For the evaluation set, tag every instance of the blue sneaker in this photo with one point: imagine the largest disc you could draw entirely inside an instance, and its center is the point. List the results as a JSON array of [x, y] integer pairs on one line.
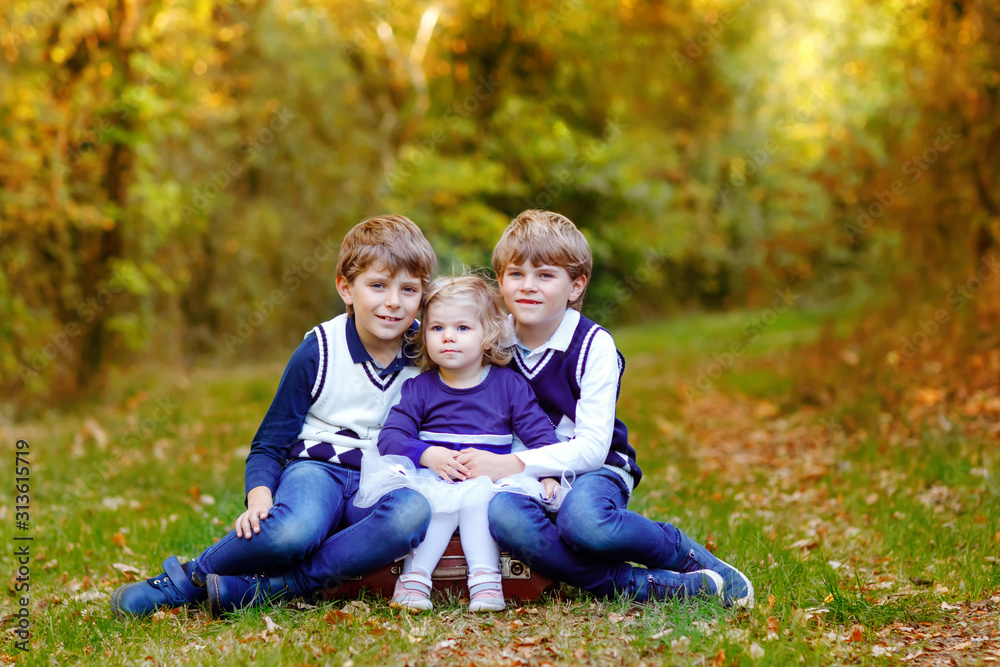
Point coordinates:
[[229, 593], [650, 584], [692, 557], [171, 588]]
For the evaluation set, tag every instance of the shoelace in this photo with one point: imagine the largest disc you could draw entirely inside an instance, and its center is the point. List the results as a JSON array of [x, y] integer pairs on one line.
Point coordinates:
[[661, 590]]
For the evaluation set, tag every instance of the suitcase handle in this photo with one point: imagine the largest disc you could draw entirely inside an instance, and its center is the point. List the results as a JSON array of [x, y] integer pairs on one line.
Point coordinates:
[[454, 572]]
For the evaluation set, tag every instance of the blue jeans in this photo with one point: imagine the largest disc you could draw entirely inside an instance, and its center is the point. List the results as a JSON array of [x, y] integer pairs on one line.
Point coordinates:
[[589, 541], [316, 536]]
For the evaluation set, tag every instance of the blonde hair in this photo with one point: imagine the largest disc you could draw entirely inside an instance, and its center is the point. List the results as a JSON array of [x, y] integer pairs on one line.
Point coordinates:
[[391, 240], [473, 291], [545, 237]]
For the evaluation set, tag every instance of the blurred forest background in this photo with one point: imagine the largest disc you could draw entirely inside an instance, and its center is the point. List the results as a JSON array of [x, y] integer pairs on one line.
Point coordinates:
[[175, 175]]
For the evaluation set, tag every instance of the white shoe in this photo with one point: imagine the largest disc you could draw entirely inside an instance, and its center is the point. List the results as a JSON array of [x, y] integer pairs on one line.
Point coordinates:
[[413, 592], [486, 593]]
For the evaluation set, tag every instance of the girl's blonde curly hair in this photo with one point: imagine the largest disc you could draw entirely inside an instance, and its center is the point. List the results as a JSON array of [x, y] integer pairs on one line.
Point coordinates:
[[473, 291]]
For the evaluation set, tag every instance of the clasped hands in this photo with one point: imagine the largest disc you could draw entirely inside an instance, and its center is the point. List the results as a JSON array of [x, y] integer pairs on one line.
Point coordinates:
[[469, 463]]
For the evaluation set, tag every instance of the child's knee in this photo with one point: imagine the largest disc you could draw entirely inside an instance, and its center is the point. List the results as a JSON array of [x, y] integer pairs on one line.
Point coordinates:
[[410, 515], [585, 526], [501, 513], [294, 536]]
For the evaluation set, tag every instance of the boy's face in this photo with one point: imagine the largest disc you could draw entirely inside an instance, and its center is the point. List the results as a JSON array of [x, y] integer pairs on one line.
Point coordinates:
[[384, 306], [538, 296]]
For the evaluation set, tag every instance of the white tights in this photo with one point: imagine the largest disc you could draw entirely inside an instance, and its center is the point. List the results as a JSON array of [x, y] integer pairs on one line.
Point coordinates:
[[481, 553]]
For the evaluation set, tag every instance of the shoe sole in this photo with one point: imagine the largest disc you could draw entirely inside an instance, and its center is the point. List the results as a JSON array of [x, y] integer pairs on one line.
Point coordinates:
[[116, 603], [479, 607], [212, 584], [413, 609], [720, 583], [745, 602]]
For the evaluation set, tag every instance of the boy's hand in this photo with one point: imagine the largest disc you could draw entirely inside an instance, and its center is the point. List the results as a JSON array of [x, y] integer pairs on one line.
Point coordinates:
[[494, 466], [444, 462], [259, 501], [549, 487]]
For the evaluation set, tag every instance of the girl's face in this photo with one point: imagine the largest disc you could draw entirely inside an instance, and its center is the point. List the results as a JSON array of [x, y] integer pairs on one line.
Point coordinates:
[[454, 336]]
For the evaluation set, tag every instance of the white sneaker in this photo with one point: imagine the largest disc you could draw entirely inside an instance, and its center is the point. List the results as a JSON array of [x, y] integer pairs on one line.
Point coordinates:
[[413, 592], [486, 593]]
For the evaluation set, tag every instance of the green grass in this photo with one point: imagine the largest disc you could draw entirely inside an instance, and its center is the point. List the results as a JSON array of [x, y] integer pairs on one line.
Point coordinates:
[[834, 530]]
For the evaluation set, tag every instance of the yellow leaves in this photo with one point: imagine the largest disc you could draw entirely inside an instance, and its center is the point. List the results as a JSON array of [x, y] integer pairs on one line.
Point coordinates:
[[765, 410], [928, 396]]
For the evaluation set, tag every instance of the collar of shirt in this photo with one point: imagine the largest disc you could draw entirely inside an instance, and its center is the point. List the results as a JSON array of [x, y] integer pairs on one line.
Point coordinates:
[[359, 355], [558, 341]]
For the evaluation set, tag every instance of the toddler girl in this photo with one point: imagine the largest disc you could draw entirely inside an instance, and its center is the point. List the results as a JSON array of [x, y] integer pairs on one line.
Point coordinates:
[[466, 398]]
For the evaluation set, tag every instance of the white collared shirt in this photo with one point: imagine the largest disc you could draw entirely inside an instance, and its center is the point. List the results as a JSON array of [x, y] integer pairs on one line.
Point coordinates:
[[584, 445]]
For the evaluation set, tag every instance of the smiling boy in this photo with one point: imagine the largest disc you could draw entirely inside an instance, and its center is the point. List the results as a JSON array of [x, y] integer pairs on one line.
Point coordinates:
[[543, 263], [302, 473]]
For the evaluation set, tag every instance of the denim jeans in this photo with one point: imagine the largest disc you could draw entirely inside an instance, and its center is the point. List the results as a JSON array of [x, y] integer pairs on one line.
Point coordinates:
[[589, 541], [316, 536]]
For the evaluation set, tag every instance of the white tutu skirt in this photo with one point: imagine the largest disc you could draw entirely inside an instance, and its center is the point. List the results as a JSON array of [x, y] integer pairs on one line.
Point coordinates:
[[382, 474]]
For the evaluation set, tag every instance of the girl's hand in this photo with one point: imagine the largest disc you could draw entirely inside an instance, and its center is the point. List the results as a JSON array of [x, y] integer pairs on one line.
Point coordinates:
[[494, 466], [549, 487], [444, 462], [259, 501]]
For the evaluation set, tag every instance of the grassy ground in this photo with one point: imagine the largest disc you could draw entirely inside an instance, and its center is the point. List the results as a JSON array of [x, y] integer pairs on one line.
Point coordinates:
[[873, 545]]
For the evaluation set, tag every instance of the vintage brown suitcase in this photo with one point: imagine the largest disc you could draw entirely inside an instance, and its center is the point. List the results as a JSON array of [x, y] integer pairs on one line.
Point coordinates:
[[519, 582]]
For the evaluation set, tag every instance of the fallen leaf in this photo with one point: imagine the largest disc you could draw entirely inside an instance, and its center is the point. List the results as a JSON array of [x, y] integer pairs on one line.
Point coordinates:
[[271, 625], [772, 624], [335, 616], [756, 652], [662, 633], [118, 540], [720, 658]]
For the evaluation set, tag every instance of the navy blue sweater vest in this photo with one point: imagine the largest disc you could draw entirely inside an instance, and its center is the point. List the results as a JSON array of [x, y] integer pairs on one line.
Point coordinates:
[[554, 379]]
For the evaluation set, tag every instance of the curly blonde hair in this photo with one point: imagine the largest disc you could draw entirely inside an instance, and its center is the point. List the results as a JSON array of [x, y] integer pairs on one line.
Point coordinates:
[[473, 291]]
